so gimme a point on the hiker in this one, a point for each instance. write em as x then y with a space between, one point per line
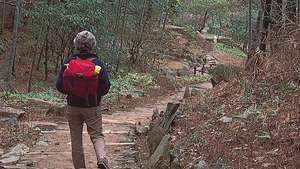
84 79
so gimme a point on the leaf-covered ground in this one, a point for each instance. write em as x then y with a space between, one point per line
244 129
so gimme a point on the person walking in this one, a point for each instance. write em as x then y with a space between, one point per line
84 79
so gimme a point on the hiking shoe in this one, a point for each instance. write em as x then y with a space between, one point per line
103 164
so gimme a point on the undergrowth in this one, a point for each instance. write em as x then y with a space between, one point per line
223 72
195 79
135 84
50 95
235 52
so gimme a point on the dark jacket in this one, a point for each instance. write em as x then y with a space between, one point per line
104 83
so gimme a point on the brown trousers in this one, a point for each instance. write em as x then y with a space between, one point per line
76 117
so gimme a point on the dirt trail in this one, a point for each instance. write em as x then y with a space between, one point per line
118 130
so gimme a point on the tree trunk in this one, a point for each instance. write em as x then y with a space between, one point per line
256 32
122 33
165 19
116 31
31 73
256 37
250 28
6 66
52 56
57 64
292 11
3 17
203 21
137 40
278 14
267 4
46 58
298 13
40 56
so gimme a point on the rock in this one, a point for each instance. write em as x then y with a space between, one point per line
44 126
226 119
42 143
140 130
10 160
210 60
264 135
250 112
220 164
138 93
198 164
176 153
19 149
267 165
37 129
27 163
178 68
170 75
1 152
161 154
183 72
135 94
174 28
175 164
11 112
187 92
196 91
133 154
58 110
15 154
204 86
41 102
11 121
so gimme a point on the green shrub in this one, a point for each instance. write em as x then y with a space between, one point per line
235 52
290 87
39 84
132 83
195 78
190 31
50 95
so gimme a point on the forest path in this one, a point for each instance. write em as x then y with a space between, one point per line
54 149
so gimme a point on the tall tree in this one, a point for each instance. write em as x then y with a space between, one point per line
3 17
291 9
267 6
17 17
298 13
278 12
250 28
6 65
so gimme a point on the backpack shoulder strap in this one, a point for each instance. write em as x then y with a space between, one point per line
93 59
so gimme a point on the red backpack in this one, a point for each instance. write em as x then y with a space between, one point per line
80 78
